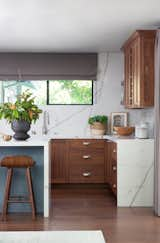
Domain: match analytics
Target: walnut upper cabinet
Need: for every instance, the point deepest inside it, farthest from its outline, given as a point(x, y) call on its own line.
point(139, 69)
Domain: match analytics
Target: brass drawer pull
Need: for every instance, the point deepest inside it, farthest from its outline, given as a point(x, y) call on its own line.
point(114, 150)
point(86, 174)
point(86, 143)
point(114, 186)
point(114, 168)
point(86, 156)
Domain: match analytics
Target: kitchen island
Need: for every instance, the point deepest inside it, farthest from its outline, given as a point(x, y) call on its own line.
point(128, 167)
point(38, 149)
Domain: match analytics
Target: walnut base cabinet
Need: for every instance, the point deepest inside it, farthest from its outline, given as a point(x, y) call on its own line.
point(139, 69)
point(59, 166)
point(78, 161)
point(87, 161)
point(111, 166)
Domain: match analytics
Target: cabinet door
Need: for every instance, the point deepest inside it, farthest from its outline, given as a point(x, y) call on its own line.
point(129, 81)
point(108, 162)
point(136, 100)
point(59, 161)
point(111, 166)
point(139, 70)
point(147, 91)
point(132, 75)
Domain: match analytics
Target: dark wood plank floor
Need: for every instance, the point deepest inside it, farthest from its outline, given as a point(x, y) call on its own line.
point(92, 209)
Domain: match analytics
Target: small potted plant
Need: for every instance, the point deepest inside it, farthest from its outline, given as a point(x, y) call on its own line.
point(20, 114)
point(98, 124)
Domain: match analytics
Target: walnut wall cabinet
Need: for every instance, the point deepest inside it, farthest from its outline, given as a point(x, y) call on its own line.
point(139, 69)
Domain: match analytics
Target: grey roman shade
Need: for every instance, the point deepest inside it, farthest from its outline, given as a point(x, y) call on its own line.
point(53, 66)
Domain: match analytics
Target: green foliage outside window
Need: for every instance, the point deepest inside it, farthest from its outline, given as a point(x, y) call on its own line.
point(70, 92)
point(53, 92)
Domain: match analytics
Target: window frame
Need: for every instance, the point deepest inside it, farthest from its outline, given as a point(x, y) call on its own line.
point(47, 94)
point(92, 89)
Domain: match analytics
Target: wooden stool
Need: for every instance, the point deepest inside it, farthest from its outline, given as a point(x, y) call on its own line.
point(12, 162)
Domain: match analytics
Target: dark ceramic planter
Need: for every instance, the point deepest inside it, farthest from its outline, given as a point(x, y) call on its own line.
point(20, 127)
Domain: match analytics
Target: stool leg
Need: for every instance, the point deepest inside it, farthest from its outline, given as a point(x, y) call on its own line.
point(31, 195)
point(7, 193)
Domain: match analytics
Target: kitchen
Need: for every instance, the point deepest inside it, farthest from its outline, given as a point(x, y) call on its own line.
point(70, 134)
point(69, 158)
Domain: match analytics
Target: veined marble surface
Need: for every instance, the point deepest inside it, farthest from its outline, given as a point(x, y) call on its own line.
point(135, 172)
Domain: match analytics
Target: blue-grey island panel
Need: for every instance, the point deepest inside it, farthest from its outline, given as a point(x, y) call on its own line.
point(19, 185)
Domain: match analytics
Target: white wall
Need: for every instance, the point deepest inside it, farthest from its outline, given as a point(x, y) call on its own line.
point(72, 120)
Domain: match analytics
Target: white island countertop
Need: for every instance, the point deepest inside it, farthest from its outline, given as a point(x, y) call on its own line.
point(34, 141)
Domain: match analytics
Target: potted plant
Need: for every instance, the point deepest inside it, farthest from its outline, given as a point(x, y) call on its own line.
point(98, 124)
point(20, 114)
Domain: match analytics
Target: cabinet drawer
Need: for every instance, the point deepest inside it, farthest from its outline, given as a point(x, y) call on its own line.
point(86, 157)
point(86, 174)
point(87, 145)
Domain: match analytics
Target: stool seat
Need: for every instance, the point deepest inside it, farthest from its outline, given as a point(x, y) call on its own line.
point(17, 162)
point(20, 162)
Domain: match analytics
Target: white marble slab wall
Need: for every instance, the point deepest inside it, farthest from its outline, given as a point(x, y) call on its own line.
point(135, 166)
point(72, 120)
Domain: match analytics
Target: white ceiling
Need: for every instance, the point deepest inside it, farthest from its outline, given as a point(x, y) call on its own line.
point(73, 25)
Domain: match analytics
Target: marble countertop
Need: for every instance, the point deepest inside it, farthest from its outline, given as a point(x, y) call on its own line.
point(36, 140)
point(116, 138)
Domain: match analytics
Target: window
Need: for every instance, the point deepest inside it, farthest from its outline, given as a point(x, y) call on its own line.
point(50, 92)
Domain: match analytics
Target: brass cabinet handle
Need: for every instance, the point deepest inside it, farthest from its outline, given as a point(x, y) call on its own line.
point(86, 156)
point(86, 143)
point(114, 168)
point(114, 150)
point(86, 174)
point(114, 186)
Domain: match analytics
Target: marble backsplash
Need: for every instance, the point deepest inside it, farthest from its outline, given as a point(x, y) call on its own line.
point(72, 120)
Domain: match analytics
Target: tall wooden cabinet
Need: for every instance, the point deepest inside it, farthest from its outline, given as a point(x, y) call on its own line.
point(139, 69)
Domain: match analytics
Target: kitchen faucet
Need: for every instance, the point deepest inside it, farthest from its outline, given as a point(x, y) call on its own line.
point(45, 122)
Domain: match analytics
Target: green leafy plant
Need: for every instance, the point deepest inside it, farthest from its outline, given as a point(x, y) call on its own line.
point(99, 118)
point(23, 109)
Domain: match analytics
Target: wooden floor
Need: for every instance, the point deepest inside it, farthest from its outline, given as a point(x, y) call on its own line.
point(92, 209)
